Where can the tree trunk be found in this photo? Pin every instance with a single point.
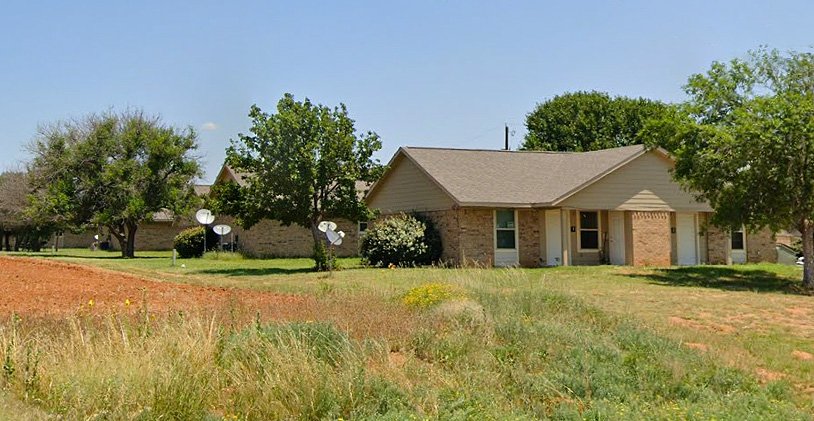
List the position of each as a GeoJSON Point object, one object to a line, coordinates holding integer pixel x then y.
{"type": "Point", "coordinates": [131, 239]}
{"type": "Point", "coordinates": [6, 240]}
{"type": "Point", "coordinates": [807, 230]}
{"type": "Point", "coordinates": [320, 254]}
{"type": "Point", "coordinates": [118, 233]}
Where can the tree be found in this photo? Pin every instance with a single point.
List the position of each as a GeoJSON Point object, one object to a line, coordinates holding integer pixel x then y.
{"type": "Point", "coordinates": [304, 162]}
{"type": "Point", "coordinates": [744, 142]}
{"type": "Point", "coordinates": [588, 121]}
{"type": "Point", "coordinates": [113, 170]}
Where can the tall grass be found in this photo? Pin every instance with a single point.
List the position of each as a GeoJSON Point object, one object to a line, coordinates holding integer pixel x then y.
{"type": "Point", "coordinates": [507, 349]}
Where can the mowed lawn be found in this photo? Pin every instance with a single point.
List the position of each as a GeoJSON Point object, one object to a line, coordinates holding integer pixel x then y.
{"type": "Point", "coordinates": [599, 342]}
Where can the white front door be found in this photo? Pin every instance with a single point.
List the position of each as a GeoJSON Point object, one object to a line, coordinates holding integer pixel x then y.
{"type": "Point", "coordinates": [553, 238]}
{"type": "Point", "coordinates": [686, 237]}
{"type": "Point", "coordinates": [616, 237]}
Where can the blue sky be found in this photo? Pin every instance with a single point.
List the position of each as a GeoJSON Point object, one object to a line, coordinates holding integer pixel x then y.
{"type": "Point", "coordinates": [433, 73]}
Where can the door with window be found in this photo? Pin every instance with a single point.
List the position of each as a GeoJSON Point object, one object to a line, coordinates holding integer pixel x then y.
{"type": "Point", "coordinates": [738, 242]}
{"type": "Point", "coordinates": [506, 252]}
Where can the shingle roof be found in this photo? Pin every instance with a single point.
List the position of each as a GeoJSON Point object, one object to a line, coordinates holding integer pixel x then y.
{"type": "Point", "coordinates": [496, 177]}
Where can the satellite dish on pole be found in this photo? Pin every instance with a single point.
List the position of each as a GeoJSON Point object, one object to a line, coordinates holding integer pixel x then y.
{"type": "Point", "coordinates": [222, 229]}
{"type": "Point", "coordinates": [204, 216]}
{"type": "Point", "coordinates": [326, 226]}
{"type": "Point", "coordinates": [334, 237]}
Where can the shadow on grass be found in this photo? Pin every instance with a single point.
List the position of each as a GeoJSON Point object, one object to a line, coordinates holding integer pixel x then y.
{"type": "Point", "coordinates": [724, 278]}
{"type": "Point", "coordinates": [253, 271]}
{"type": "Point", "coordinates": [49, 255]}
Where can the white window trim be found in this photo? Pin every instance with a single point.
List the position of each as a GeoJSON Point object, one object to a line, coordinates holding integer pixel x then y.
{"type": "Point", "coordinates": [598, 232]}
{"type": "Point", "coordinates": [359, 227]}
{"type": "Point", "coordinates": [495, 230]}
{"type": "Point", "coordinates": [743, 231]}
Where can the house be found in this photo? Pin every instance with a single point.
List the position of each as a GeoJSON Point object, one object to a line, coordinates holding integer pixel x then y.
{"type": "Point", "coordinates": [269, 238]}
{"type": "Point", "coordinates": [506, 208]}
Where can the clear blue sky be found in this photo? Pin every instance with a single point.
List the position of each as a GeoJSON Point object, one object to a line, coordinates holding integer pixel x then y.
{"type": "Point", "coordinates": [441, 73]}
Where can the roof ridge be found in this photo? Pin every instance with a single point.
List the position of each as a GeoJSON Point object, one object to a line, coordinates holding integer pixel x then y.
{"type": "Point", "coordinates": [520, 151]}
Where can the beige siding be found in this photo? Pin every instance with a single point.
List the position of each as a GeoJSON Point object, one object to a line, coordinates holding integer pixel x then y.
{"type": "Point", "coordinates": [643, 184]}
{"type": "Point", "coordinates": [406, 188]}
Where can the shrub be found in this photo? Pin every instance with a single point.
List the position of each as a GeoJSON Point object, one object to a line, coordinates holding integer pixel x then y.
{"type": "Point", "coordinates": [190, 242]}
{"type": "Point", "coordinates": [401, 240]}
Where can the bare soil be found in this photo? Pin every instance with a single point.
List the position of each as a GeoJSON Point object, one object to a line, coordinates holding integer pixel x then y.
{"type": "Point", "coordinates": [37, 287]}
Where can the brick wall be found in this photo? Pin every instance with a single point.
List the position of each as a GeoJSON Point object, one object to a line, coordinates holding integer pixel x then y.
{"type": "Point", "coordinates": [718, 241]}
{"type": "Point", "coordinates": [270, 239]}
{"type": "Point", "coordinates": [528, 222]}
{"type": "Point", "coordinates": [476, 236]}
{"type": "Point", "coordinates": [446, 222]}
{"type": "Point", "coordinates": [760, 246]}
{"type": "Point", "coordinates": [650, 232]}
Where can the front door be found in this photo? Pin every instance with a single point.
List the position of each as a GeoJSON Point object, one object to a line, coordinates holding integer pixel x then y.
{"type": "Point", "coordinates": [553, 238]}
{"type": "Point", "coordinates": [686, 237]}
{"type": "Point", "coordinates": [616, 237]}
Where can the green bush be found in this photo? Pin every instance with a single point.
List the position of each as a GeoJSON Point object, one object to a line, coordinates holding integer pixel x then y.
{"type": "Point", "coordinates": [189, 242]}
{"type": "Point", "coordinates": [401, 240]}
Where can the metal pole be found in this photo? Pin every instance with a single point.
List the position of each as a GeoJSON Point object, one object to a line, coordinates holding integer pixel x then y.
{"type": "Point", "coordinates": [204, 250]}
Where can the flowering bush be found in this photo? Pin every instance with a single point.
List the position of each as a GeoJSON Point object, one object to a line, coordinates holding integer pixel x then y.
{"type": "Point", "coordinates": [428, 295]}
{"type": "Point", "coordinates": [401, 240]}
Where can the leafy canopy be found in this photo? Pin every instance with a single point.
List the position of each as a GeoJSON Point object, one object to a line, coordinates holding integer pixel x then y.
{"type": "Point", "coordinates": [114, 170]}
{"type": "Point", "coordinates": [744, 141]}
{"type": "Point", "coordinates": [303, 163]}
{"type": "Point", "coordinates": [588, 121]}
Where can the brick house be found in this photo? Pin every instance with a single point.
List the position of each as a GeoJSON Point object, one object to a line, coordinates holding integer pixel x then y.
{"type": "Point", "coordinates": [269, 238]}
{"type": "Point", "coordinates": [505, 208]}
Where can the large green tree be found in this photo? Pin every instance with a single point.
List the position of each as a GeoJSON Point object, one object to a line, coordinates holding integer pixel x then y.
{"type": "Point", "coordinates": [744, 142]}
{"type": "Point", "coordinates": [588, 121]}
{"type": "Point", "coordinates": [28, 231]}
{"type": "Point", "coordinates": [115, 170]}
{"type": "Point", "coordinates": [303, 162]}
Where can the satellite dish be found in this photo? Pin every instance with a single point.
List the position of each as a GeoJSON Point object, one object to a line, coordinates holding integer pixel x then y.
{"type": "Point", "coordinates": [334, 238]}
{"type": "Point", "coordinates": [326, 226]}
{"type": "Point", "coordinates": [204, 216]}
{"type": "Point", "coordinates": [222, 229]}
{"type": "Point", "coordinates": [96, 237]}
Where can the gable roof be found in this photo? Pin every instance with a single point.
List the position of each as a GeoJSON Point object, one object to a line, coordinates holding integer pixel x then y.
{"type": "Point", "coordinates": [475, 177]}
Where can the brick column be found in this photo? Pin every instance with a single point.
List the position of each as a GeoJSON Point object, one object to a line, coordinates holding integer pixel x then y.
{"type": "Point", "coordinates": [650, 238]}
{"type": "Point", "coordinates": [718, 244]}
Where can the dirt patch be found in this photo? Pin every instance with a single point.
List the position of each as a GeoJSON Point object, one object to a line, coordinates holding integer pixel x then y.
{"type": "Point", "coordinates": [802, 355]}
{"type": "Point", "coordinates": [766, 376]}
{"type": "Point", "coordinates": [37, 287]}
{"type": "Point", "coordinates": [692, 324]}
{"type": "Point", "coordinates": [696, 345]}
{"type": "Point", "coordinates": [396, 359]}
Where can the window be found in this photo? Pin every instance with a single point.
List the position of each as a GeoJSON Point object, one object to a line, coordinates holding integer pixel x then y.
{"type": "Point", "coordinates": [362, 227]}
{"type": "Point", "coordinates": [589, 230]}
{"type": "Point", "coordinates": [505, 229]}
{"type": "Point", "coordinates": [737, 240]}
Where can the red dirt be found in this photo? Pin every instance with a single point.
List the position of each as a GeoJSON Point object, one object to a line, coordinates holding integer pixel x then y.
{"type": "Point", "coordinates": [36, 287]}
{"type": "Point", "coordinates": [802, 355]}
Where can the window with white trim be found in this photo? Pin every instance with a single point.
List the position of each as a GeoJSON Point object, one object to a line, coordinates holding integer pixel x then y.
{"type": "Point", "coordinates": [362, 227]}
{"type": "Point", "coordinates": [505, 230]}
{"type": "Point", "coordinates": [588, 230]}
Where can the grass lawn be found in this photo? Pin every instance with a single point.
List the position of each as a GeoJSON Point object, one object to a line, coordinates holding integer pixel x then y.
{"type": "Point", "coordinates": [579, 342]}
